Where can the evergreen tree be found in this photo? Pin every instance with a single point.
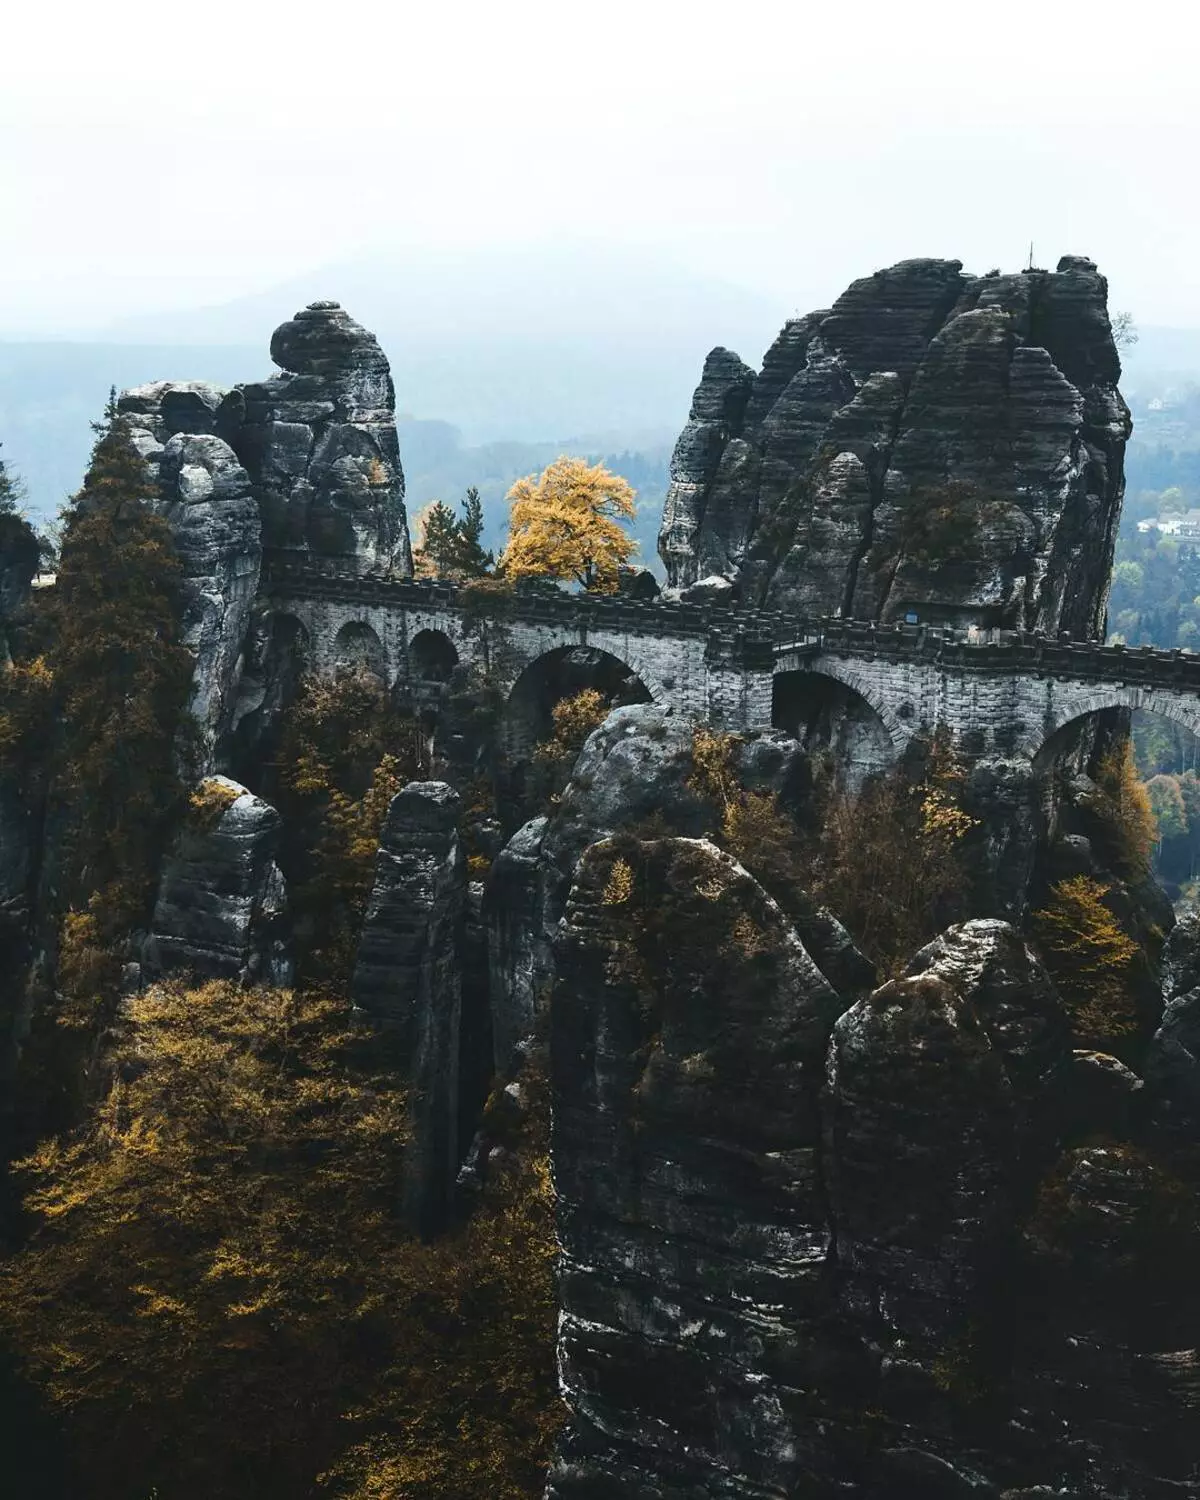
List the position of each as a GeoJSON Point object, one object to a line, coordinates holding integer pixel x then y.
{"type": "Point", "coordinates": [436, 552]}
{"type": "Point", "coordinates": [473, 561]}
{"type": "Point", "coordinates": [10, 491]}
{"type": "Point", "coordinates": [121, 680]}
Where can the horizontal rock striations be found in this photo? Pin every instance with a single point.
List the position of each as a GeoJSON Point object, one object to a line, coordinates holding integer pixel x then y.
{"type": "Point", "coordinates": [207, 497]}
{"type": "Point", "coordinates": [307, 462]}
{"type": "Point", "coordinates": [320, 442]}
{"type": "Point", "coordinates": [935, 444]}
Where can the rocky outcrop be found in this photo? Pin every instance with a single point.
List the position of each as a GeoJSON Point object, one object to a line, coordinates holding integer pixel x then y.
{"type": "Point", "coordinates": [1173, 1064]}
{"type": "Point", "coordinates": [935, 444]}
{"type": "Point", "coordinates": [408, 978]}
{"type": "Point", "coordinates": [221, 911]}
{"type": "Point", "coordinates": [515, 927]}
{"type": "Point", "coordinates": [686, 1046]}
{"type": "Point", "coordinates": [206, 496]}
{"type": "Point", "coordinates": [320, 442]}
{"type": "Point", "coordinates": [305, 462]}
{"type": "Point", "coordinates": [637, 770]}
{"type": "Point", "coordinates": [923, 1196]}
{"type": "Point", "coordinates": [928, 1295]}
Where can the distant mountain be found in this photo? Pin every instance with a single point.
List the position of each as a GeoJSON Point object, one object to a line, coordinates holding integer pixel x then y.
{"type": "Point", "coordinates": [571, 348]}
{"type": "Point", "coordinates": [529, 345]}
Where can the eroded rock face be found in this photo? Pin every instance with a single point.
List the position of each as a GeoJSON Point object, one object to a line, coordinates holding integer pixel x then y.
{"type": "Point", "coordinates": [319, 441]}
{"type": "Point", "coordinates": [221, 911]}
{"type": "Point", "coordinates": [935, 444]}
{"type": "Point", "coordinates": [408, 977]}
{"type": "Point", "coordinates": [686, 1046]}
{"type": "Point", "coordinates": [206, 496]}
{"type": "Point", "coordinates": [514, 921]}
{"type": "Point", "coordinates": [936, 1121]}
{"type": "Point", "coordinates": [1173, 1064]}
{"type": "Point", "coordinates": [635, 771]}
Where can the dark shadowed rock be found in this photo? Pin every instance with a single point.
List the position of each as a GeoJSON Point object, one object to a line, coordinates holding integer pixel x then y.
{"type": "Point", "coordinates": [686, 1036]}
{"type": "Point", "coordinates": [513, 917]}
{"type": "Point", "coordinates": [936, 444]}
{"type": "Point", "coordinates": [221, 911]}
{"type": "Point", "coordinates": [1173, 1060]}
{"type": "Point", "coordinates": [408, 977]}
{"type": "Point", "coordinates": [935, 1119]}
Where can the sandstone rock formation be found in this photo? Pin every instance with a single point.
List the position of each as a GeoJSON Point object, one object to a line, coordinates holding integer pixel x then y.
{"type": "Point", "coordinates": [305, 462]}
{"type": "Point", "coordinates": [206, 496]}
{"type": "Point", "coordinates": [922, 1199]}
{"type": "Point", "coordinates": [686, 1050]}
{"type": "Point", "coordinates": [320, 442]}
{"type": "Point", "coordinates": [1173, 1065]}
{"type": "Point", "coordinates": [927, 1293]}
{"type": "Point", "coordinates": [515, 927]}
{"type": "Point", "coordinates": [936, 444]}
{"type": "Point", "coordinates": [408, 977]}
{"type": "Point", "coordinates": [221, 911]}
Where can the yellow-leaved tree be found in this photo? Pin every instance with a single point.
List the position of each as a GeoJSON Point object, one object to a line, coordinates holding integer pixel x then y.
{"type": "Point", "coordinates": [215, 1298]}
{"type": "Point", "coordinates": [566, 524]}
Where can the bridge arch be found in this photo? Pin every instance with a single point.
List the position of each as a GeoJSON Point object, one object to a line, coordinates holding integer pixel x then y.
{"type": "Point", "coordinates": [432, 656]}
{"type": "Point", "coordinates": [357, 645]}
{"type": "Point", "coordinates": [831, 707]}
{"type": "Point", "coordinates": [1075, 706]}
{"type": "Point", "coordinates": [559, 673]}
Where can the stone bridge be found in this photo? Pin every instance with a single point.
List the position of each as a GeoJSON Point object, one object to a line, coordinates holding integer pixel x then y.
{"type": "Point", "coordinates": [1002, 694]}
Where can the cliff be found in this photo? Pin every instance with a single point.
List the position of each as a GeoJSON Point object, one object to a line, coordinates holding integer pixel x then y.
{"type": "Point", "coordinates": [935, 445]}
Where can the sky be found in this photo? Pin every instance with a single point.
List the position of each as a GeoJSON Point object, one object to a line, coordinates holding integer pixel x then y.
{"type": "Point", "coordinates": [176, 156]}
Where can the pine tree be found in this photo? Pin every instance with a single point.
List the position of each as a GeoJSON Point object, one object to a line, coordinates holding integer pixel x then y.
{"type": "Point", "coordinates": [10, 491]}
{"type": "Point", "coordinates": [121, 673]}
{"type": "Point", "coordinates": [436, 552]}
{"type": "Point", "coordinates": [472, 561]}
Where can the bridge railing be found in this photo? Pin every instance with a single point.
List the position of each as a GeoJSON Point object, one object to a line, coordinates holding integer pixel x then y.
{"type": "Point", "coordinates": [1000, 652]}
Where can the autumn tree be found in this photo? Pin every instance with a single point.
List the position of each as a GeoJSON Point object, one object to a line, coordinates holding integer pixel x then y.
{"type": "Point", "coordinates": [572, 718]}
{"type": "Point", "coordinates": [101, 727]}
{"type": "Point", "coordinates": [217, 1300]}
{"type": "Point", "coordinates": [1123, 806]}
{"type": "Point", "coordinates": [1091, 958]}
{"type": "Point", "coordinates": [891, 859]}
{"type": "Point", "coordinates": [345, 751]}
{"type": "Point", "coordinates": [121, 676]}
{"type": "Point", "coordinates": [566, 524]}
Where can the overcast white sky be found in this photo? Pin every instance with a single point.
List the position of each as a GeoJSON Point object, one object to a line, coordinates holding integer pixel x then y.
{"type": "Point", "coordinates": [163, 156]}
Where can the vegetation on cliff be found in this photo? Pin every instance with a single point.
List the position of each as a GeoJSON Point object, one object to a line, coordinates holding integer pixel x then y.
{"type": "Point", "coordinates": [345, 751]}
{"type": "Point", "coordinates": [95, 732]}
{"type": "Point", "coordinates": [217, 1300]}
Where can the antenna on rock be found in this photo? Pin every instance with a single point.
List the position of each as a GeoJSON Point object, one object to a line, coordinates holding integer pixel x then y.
{"type": "Point", "coordinates": [1029, 267]}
